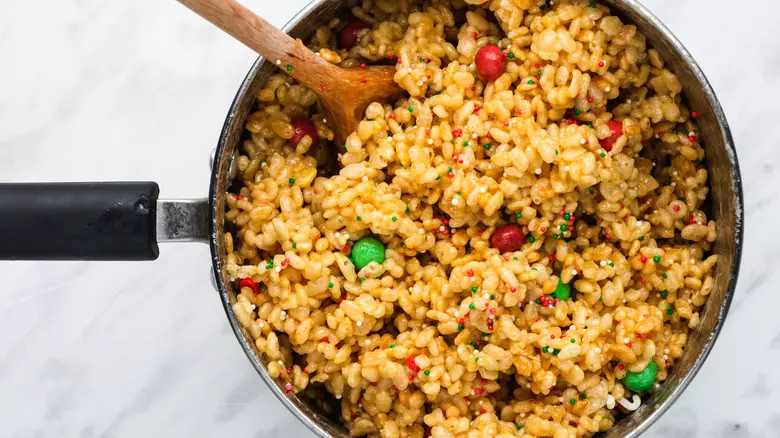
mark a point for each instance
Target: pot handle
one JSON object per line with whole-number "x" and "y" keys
{"x": 78, "y": 221}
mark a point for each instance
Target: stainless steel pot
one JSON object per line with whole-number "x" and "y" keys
{"x": 124, "y": 221}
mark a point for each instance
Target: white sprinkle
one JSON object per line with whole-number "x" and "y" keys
{"x": 608, "y": 89}
{"x": 297, "y": 227}
{"x": 430, "y": 141}
{"x": 572, "y": 327}
{"x": 598, "y": 350}
{"x": 474, "y": 136}
{"x": 666, "y": 357}
{"x": 603, "y": 263}
{"x": 421, "y": 231}
{"x": 455, "y": 201}
{"x": 673, "y": 184}
{"x": 476, "y": 351}
{"x": 490, "y": 166}
{"x": 625, "y": 340}
{"x": 337, "y": 235}
{"x": 583, "y": 141}
{"x": 368, "y": 342}
{"x": 638, "y": 223}
{"x": 566, "y": 168}
{"x": 689, "y": 301}
{"x": 573, "y": 272}
{"x": 457, "y": 314}
{"x": 635, "y": 403}
{"x": 253, "y": 307}
{"x": 653, "y": 163}
{"x": 610, "y": 402}
{"x": 364, "y": 179}
{"x": 359, "y": 323}
{"x": 441, "y": 228}
{"x": 278, "y": 62}
{"x": 666, "y": 351}
{"x": 278, "y": 269}
{"x": 487, "y": 297}
{"x": 693, "y": 261}
{"x": 538, "y": 171}
{"x": 338, "y": 396}
{"x": 483, "y": 189}
{"x": 261, "y": 324}
{"x": 283, "y": 316}
{"x": 560, "y": 399}
{"x": 346, "y": 235}
{"x": 316, "y": 53}
{"x": 324, "y": 120}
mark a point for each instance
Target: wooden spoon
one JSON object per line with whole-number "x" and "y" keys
{"x": 343, "y": 93}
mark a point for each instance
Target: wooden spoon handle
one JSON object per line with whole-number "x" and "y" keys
{"x": 265, "y": 39}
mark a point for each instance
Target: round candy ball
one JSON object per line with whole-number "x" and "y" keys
{"x": 303, "y": 127}
{"x": 643, "y": 380}
{"x": 490, "y": 62}
{"x": 562, "y": 291}
{"x": 617, "y": 130}
{"x": 508, "y": 238}
{"x": 349, "y": 35}
{"x": 367, "y": 250}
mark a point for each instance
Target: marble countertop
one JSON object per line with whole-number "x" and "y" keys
{"x": 95, "y": 90}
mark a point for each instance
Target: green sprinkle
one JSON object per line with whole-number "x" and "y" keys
{"x": 291, "y": 180}
{"x": 566, "y": 216}
{"x": 511, "y": 55}
{"x": 362, "y": 279}
{"x": 583, "y": 396}
{"x": 573, "y": 341}
{"x": 664, "y": 275}
{"x": 664, "y": 293}
{"x": 519, "y": 426}
{"x": 530, "y": 81}
{"x": 367, "y": 250}
{"x": 407, "y": 209}
{"x": 492, "y": 297}
{"x": 564, "y": 227}
{"x": 344, "y": 146}
{"x": 392, "y": 345}
{"x": 449, "y": 169}
{"x": 592, "y": 5}
{"x": 669, "y": 310}
{"x": 590, "y": 191}
{"x": 473, "y": 289}
{"x": 519, "y": 215}
{"x": 472, "y": 306}
{"x": 601, "y": 298}
{"x": 289, "y": 68}
{"x": 538, "y": 301}
{"x": 438, "y": 178}
{"x": 603, "y": 155}
{"x": 539, "y": 73}
{"x": 460, "y": 327}
{"x": 532, "y": 239}
{"x": 465, "y": 143}
{"x": 641, "y": 239}
{"x": 295, "y": 245}
{"x": 657, "y": 259}
{"x": 230, "y": 160}
{"x": 395, "y": 218}
{"x": 611, "y": 265}
{"x": 268, "y": 267}
{"x": 359, "y": 218}
{"x": 427, "y": 372}
{"x": 514, "y": 258}
{"x": 556, "y": 152}
{"x": 577, "y": 112}
{"x": 555, "y": 236}
{"x": 546, "y": 349}
{"x": 458, "y": 193}
{"x": 573, "y": 402}
{"x": 330, "y": 285}
{"x": 476, "y": 359}
{"x": 643, "y": 380}
{"x": 411, "y": 109}
{"x": 487, "y": 147}
{"x": 556, "y": 351}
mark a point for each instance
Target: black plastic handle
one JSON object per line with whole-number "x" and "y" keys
{"x": 78, "y": 221}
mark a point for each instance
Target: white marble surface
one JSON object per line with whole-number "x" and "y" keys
{"x": 138, "y": 90}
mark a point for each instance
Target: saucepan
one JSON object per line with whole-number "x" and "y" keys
{"x": 125, "y": 221}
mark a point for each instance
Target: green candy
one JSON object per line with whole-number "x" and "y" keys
{"x": 562, "y": 291}
{"x": 643, "y": 380}
{"x": 367, "y": 250}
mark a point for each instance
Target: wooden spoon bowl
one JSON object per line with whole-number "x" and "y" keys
{"x": 343, "y": 94}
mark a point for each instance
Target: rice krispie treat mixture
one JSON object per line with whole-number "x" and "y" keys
{"x": 517, "y": 247}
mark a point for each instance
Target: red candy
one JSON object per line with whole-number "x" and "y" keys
{"x": 303, "y": 127}
{"x": 490, "y": 62}
{"x": 617, "y": 130}
{"x": 412, "y": 365}
{"x": 507, "y": 239}
{"x": 248, "y": 282}
{"x": 349, "y": 35}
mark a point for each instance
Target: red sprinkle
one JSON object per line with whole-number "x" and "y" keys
{"x": 392, "y": 115}
{"x": 643, "y": 259}
{"x": 412, "y": 365}
{"x": 601, "y": 64}
{"x": 482, "y": 411}
{"x": 590, "y": 100}
{"x": 676, "y": 207}
{"x": 470, "y": 273}
{"x": 475, "y": 34}
{"x": 324, "y": 88}
{"x": 248, "y": 282}
{"x": 694, "y": 114}
{"x": 457, "y": 132}
{"x": 239, "y": 197}
{"x": 620, "y": 366}
{"x": 364, "y": 80}
{"x": 373, "y": 383}
{"x": 362, "y": 66}
{"x": 513, "y": 289}
{"x": 607, "y": 236}
{"x": 345, "y": 249}
{"x": 691, "y": 220}
{"x": 490, "y": 62}
{"x": 478, "y": 391}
